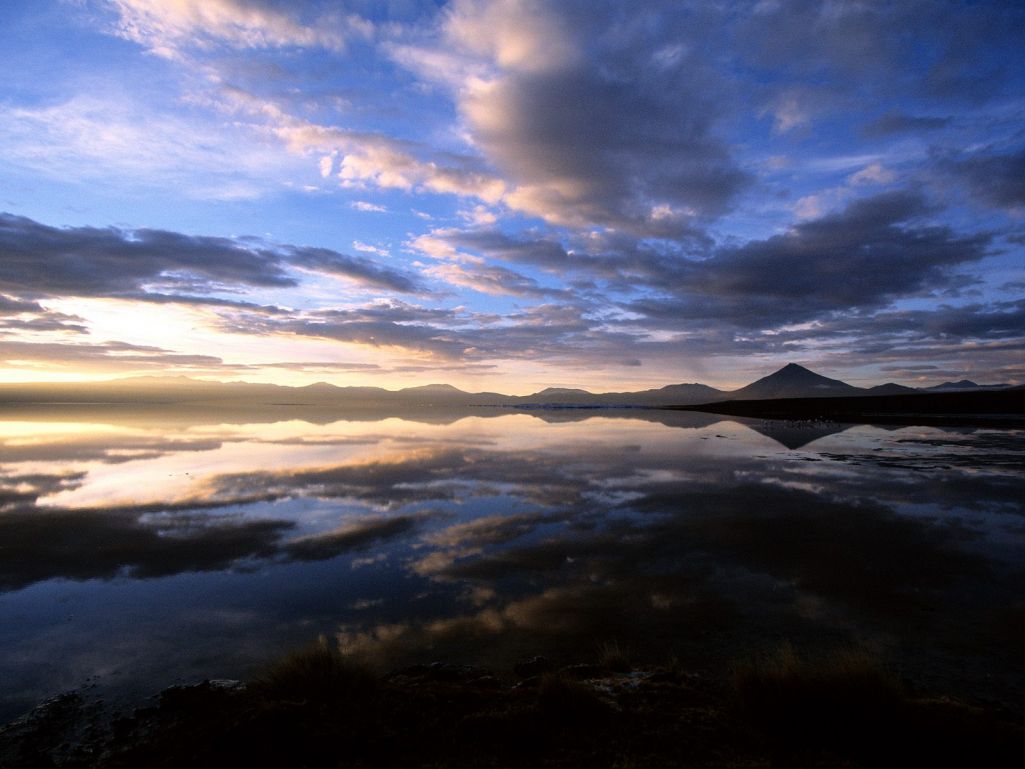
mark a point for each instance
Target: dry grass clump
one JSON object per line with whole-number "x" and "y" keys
{"x": 614, "y": 657}
{"x": 317, "y": 673}
{"x": 842, "y": 698}
{"x": 846, "y": 703}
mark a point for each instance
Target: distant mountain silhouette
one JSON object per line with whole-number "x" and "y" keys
{"x": 964, "y": 384}
{"x": 890, "y": 388}
{"x": 663, "y": 396}
{"x": 791, "y": 381}
{"x": 433, "y": 388}
{"x": 561, "y": 392}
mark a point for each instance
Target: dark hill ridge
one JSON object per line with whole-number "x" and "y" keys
{"x": 663, "y": 396}
{"x": 980, "y": 408}
{"x": 434, "y": 388}
{"x": 890, "y": 388}
{"x": 791, "y": 381}
{"x": 965, "y": 384}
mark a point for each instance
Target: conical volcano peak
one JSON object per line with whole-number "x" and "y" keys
{"x": 794, "y": 370}
{"x": 794, "y": 381}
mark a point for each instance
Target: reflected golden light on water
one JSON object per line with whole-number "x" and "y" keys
{"x": 177, "y": 463}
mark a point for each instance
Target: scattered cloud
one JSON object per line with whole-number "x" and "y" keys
{"x": 40, "y": 260}
{"x": 362, "y": 205}
{"x": 899, "y": 123}
{"x": 863, "y": 257}
{"x": 94, "y": 138}
{"x": 99, "y": 357}
{"x": 494, "y": 280}
{"x": 164, "y": 27}
{"x": 994, "y": 177}
{"x": 874, "y": 173}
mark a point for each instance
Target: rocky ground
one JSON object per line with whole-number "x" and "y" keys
{"x": 318, "y": 709}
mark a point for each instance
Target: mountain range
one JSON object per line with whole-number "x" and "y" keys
{"x": 791, "y": 381}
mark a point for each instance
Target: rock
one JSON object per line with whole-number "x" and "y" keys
{"x": 440, "y": 671}
{"x": 486, "y": 682}
{"x": 535, "y": 666}
{"x": 584, "y": 671}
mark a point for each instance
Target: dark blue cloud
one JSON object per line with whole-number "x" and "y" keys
{"x": 39, "y": 260}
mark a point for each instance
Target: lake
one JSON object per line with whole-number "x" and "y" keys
{"x": 140, "y": 548}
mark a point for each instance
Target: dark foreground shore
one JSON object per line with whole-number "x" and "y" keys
{"x": 319, "y": 709}
{"x": 998, "y": 409}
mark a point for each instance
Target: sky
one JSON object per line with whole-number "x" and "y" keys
{"x": 509, "y": 195}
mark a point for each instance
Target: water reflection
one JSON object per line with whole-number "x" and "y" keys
{"x": 146, "y": 550}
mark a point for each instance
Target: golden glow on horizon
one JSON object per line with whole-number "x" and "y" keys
{"x": 178, "y": 337}
{"x": 506, "y": 380}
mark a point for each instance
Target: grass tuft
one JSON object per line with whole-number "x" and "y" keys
{"x": 317, "y": 673}
{"x": 614, "y": 657}
{"x": 840, "y": 699}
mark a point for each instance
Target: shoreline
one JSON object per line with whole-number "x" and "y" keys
{"x": 997, "y": 409}
{"x": 319, "y": 708}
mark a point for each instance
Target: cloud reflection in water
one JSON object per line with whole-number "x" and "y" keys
{"x": 492, "y": 537}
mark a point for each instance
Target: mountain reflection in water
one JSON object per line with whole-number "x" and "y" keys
{"x": 140, "y": 549}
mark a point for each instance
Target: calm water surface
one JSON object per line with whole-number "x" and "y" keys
{"x": 138, "y": 550}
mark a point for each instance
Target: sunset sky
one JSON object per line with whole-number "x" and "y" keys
{"x": 509, "y": 195}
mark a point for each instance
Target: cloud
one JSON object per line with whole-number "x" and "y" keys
{"x": 974, "y": 340}
{"x": 493, "y": 280}
{"x": 554, "y": 331}
{"x": 994, "y": 177}
{"x": 416, "y": 338}
{"x": 874, "y": 173}
{"x": 875, "y": 250}
{"x": 865, "y": 256}
{"x": 104, "y": 356}
{"x": 984, "y": 338}
{"x": 379, "y": 161}
{"x": 790, "y": 110}
{"x": 164, "y": 27}
{"x": 860, "y": 46}
{"x": 622, "y": 261}
{"x": 113, "y": 140}
{"x": 362, "y": 205}
{"x": 11, "y": 306}
{"x": 367, "y": 158}
{"x": 366, "y": 248}
{"x": 582, "y": 125}
{"x": 17, "y": 315}
{"x": 824, "y": 286}
{"x": 39, "y": 260}
{"x": 609, "y": 163}
{"x": 900, "y": 123}
{"x": 322, "y": 365}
